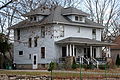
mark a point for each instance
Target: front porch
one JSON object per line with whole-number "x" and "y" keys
{"x": 85, "y": 51}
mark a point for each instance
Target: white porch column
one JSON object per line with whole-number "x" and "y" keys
{"x": 73, "y": 50}
{"x": 70, "y": 50}
{"x": 90, "y": 51}
{"x": 67, "y": 51}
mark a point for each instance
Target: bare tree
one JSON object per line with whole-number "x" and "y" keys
{"x": 104, "y": 12}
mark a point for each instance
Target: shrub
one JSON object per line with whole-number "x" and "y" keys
{"x": 103, "y": 67}
{"x": 52, "y": 66}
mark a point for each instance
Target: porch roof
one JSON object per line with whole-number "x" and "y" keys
{"x": 83, "y": 41}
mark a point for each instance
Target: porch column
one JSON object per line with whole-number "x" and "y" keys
{"x": 70, "y": 50}
{"x": 73, "y": 50}
{"x": 91, "y": 51}
{"x": 67, "y": 51}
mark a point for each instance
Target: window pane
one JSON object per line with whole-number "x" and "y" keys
{"x": 94, "y": 33}
{"x": 20, "y": 52}
{"x": 29, "y": 56}
{"x": 42, "y": 52}
{"x": 30, "y": 42}
{"x": 18, "y": 34}
{"x": 61, "y": 31}
{"x": 42, "y": 32}
{"x": 80, "y": 18}
{"x": 35, "y": 41}
{"x": 76, "y": 18}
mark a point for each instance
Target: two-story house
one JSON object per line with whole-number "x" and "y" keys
{"x": 50, "y": 34}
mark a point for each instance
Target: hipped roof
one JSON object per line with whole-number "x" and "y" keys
{"x": 55, "y": 16}
{"x": 83, "y": 41}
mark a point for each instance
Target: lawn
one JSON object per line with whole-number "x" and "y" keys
{"x": 73, "y": 74}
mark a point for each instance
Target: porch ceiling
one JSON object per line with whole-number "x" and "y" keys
{"x": 83, "y": 41}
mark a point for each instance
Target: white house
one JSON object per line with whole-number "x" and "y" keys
{"x": 51, "y": 34}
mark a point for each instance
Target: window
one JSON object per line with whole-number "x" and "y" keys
{"x": 61, "y": 31}
{"x": 30, "y": 42}
{"x": 94, "y": 33}
{"x": 80, "y": 18}
{"x": 78, "y": 29}
{"x": 76, "y": 18}
{"x": 35, "y": 18}
{"x": 42, "y": 32}
{"x": 20, "y": 52}
{"x": 42, "y": 52}
{"x": 31, "y": 18}
{"x": 34, "y": 60}
{"x": 18, "y": 34}
{"x": 35, "y": 41}
{"x": 29, "y": 56}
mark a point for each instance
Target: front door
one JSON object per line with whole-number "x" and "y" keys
{"x": 35, "y": 63}
{"x": 63, "y": 51}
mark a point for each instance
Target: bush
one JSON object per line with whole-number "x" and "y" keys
{"x": 52, "y": 66}
{"x": 103, "y": 67}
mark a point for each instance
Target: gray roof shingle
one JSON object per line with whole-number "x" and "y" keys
{"x": 84, "y": 41}
{"x": 55, "y": 16}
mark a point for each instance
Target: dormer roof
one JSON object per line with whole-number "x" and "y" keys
{"x": 38, "y": 11}
{"x": 73, "y": 11}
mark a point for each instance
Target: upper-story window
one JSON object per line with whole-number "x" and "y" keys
{"x": 93, "y": 33}
{"x": 61, "y": 31}
{"x": 30, "y": 42}
{"x": 35, "y": 41}
{"x": 78, "y": 18}
{"x": 78, "y": 29}
{"x": 42, "y": 52}
{"x": 33, "y": 18}
{"x": 18, "y": 34}
{"x": 42, "y": 32}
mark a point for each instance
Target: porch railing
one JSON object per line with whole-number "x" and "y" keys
{"x": 62, "y": 60}
{"x": 95, "y": 62}
{"x": 82, "y": 60}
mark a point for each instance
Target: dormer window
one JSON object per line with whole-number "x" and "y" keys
{"x": 78, "y": 18}
{"x": 33, "y": 18}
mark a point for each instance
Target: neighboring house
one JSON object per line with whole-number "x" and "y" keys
{"x": 115, "y": 49}
{"x": 50, "y": 34}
